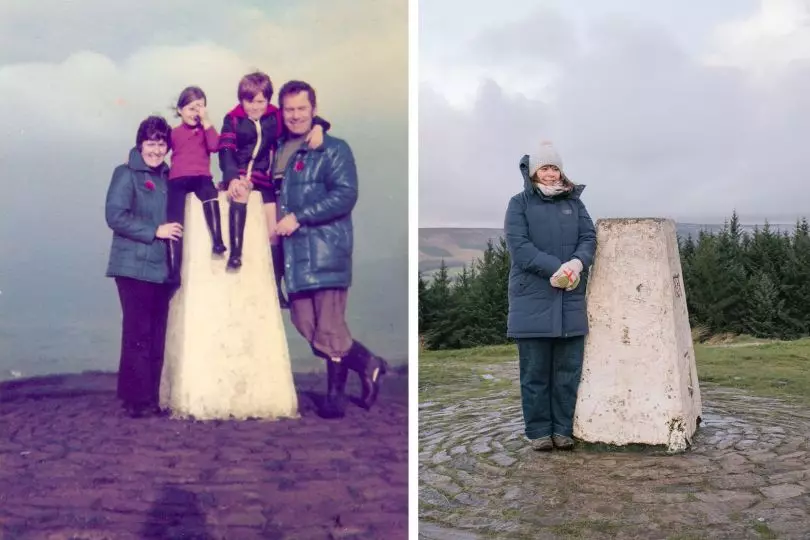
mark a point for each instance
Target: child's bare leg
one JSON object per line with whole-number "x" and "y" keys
{"x": 276, "y": 251}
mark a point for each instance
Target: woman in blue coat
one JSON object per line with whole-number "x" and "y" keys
{"x": 136, "y": 212}
{"x": 551, "y": 241}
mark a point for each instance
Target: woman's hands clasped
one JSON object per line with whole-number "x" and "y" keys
{"x": 567, "y": 277}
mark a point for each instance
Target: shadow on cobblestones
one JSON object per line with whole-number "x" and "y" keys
{"x": 176, "y": 514}
{"x": 74, "y": 466}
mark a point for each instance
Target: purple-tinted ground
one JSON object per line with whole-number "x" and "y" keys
{"x": 73, "y": 466}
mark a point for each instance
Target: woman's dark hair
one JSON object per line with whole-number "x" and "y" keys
{"x": 154, "y": 128}
{"x": 296, "y": 87}
{"x": 189, "y": 94}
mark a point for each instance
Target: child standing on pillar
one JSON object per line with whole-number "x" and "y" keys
{"x": 552, "y": 243}
{"x": 250, "y": 133}
{"x": 192, "y": 143}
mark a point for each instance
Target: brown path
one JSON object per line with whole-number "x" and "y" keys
{"x": 747, "y": 476}
{"x": 73, "y": 466}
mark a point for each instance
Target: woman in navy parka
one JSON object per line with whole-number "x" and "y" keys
{"x": 551, "y": 241}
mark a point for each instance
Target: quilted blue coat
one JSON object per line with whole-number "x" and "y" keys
{"x": 135, "y": 206}
{"x": 320, "y": 188}
{"x": 542, "y": 233}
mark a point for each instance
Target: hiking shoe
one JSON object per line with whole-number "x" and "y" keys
{"x": 562, "y": 442}
{"x": 543, "y": 444}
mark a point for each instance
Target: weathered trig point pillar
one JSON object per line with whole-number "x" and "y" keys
{"x": 639, "y": 381}
{"x": 226, "y": 350}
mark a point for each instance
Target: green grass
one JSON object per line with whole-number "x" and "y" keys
{"x": 764, "y": 531}
{"x": 442, "y": 373}
{"x": 780, "y": 369}
{"x": 771, "y": 369}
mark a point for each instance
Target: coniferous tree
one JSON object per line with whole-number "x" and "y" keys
{"x": 730, "y": 295}
{"x": 422, "y": 308}
{"x": 437, "y": 304}
{"x": 735, "y": 282}
{"x": 764, "y": 304}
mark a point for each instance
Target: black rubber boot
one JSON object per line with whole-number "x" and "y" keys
{"x": 214, "y": 220}
{"x": 277, "y": 254}
{"x": 335, "y": 404}
{"x": 370, "y": 368}
{"x": 236, "y": 222}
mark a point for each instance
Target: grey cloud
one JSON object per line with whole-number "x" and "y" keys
{"x": 544, "y": 35}
{"x": 49, "y": 30}
{"x": 650, "y": 130}
{"x": 468, "y": 162}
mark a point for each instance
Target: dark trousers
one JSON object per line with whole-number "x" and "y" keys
{"x": 146, "y": 309}
{"x": 176, "y": 212}
{"x": 179, "y": 188}
{"x": 550, "y": 371}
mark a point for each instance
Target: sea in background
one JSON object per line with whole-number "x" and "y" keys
{"x": 63, "y": 319}
{"x": 60, "y": 314}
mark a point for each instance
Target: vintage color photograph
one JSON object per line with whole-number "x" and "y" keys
{"x": 204, "y": 286}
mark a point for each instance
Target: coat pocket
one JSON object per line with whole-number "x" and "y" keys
{"x": 328, "y": 249}
{"x": 142, "y": 251}
{"x": 517, "y": 284}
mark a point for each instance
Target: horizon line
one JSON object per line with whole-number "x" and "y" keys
{"x": 677, "y": 222}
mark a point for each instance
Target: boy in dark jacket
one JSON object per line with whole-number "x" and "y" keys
{"x": 249, "y": 136}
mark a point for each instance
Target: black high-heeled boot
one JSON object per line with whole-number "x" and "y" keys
{"x": 236, "y": 222}
{"x": 214, "y": 221}
{"x": 277, "y": 253}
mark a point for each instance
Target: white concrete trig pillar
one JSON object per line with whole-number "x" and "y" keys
{"x": 226, "y": 349}
{"x": 639, "y": 379}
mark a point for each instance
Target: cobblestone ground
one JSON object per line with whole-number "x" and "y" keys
{"x": 747, "y": 475}
{"x": 73, "y": 466}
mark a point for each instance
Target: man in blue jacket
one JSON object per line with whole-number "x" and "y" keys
{"x": 317, "y": 191}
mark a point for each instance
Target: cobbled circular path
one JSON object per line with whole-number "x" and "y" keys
{"x": 73, "y": 466}
{"x": 747, "y": 476}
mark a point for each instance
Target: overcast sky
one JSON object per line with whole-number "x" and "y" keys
{"x": 77, "y": 77}
{"x": 682, "y": 109}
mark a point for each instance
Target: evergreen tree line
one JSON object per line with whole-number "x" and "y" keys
{"x": 738, "y": 283}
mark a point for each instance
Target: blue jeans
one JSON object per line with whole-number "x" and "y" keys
{"x": 550, "y": 371}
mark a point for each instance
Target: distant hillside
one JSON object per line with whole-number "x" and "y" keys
{"x": 460, "y": 246}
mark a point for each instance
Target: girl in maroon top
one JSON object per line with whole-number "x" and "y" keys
{"x": 192, "y": 143}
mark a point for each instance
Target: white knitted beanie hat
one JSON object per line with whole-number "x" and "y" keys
{"x": 547, "y": 155}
